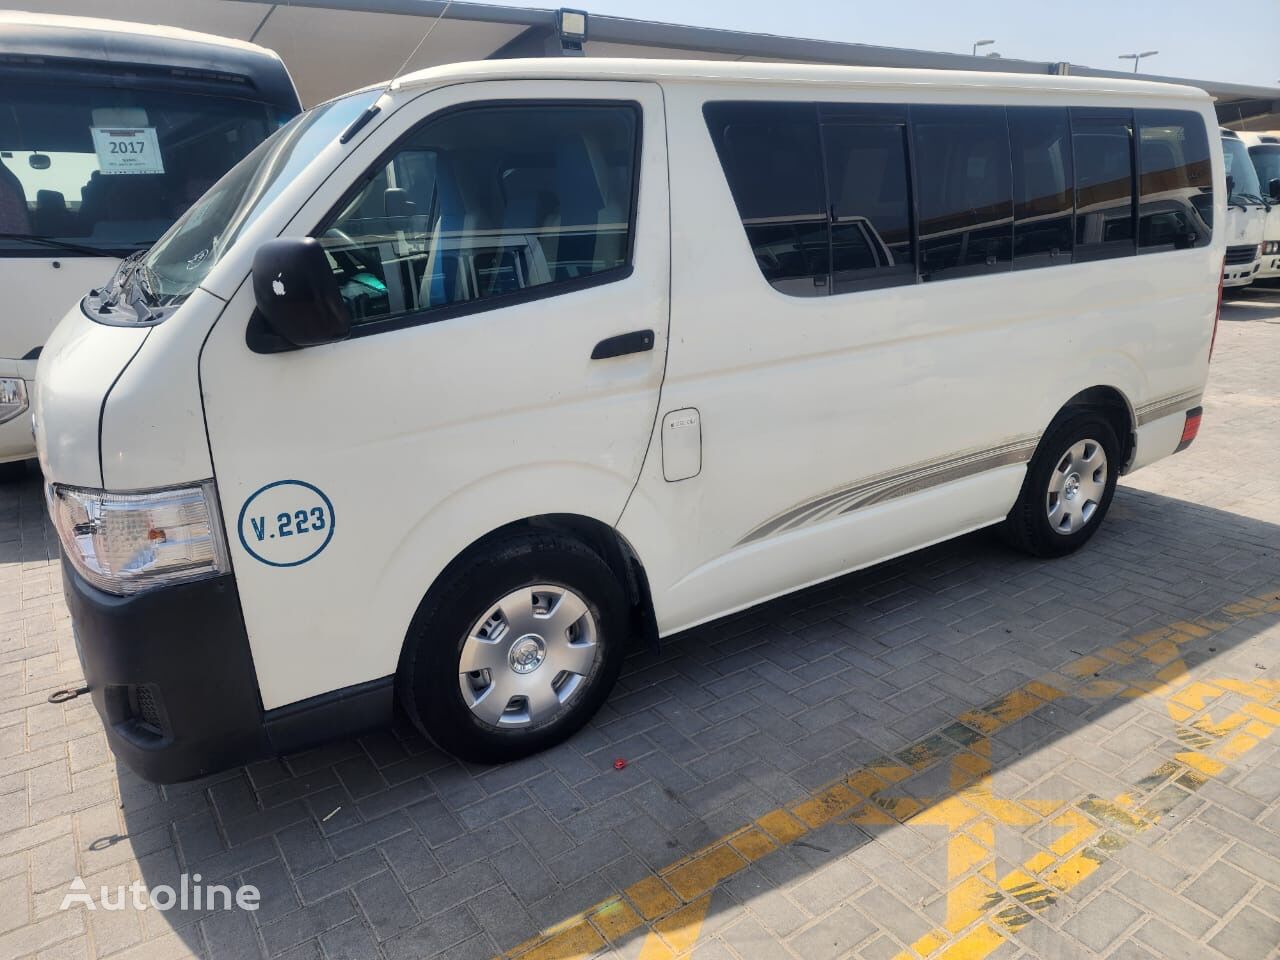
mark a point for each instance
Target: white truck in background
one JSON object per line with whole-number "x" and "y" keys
{"x": 108, "y": 132}
{"x": 1264, "y": 151}
{"x": 1247, "y": 214}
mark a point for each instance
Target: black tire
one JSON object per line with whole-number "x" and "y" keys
{"x": 1028, "y": 527}
{"x": 428, "y": 679}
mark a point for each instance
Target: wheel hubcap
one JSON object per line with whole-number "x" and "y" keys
{"x": 1076, "y": 487}
{"x": 527, "y": 654}
{"x": 526, "y": 658}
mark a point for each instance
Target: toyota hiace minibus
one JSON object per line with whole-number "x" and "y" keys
{"x": 455, "y": 388}
{"x": 108, "y": 132}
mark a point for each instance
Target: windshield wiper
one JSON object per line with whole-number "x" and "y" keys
{"x": 119, "y": 278}
{"x": 66, "y": 245}
{"x": 144, "y": 295}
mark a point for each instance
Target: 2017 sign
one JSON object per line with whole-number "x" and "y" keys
{"x": 286, "y": 523}
{"x": 123, "y": 150}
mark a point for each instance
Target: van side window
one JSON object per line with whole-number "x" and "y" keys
{"x": 868, "y": 186}
{"x": 1175, "y": 181}
{"x": 1043, "y": 204}
{"x": 965, "y": 197}
{"x": 1102, "y": 144}
{"x": 489, "y": 203}
{"x": 772, "y": 160}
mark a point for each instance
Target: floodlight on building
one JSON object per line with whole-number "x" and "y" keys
{"x": 572, "y": 26}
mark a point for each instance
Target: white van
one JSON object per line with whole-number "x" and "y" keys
{"x": 1246, "y": 214}
{"x": 452, "y": 391}
{"x": 108, "y": 132}
{"x": 1264, "y": 151}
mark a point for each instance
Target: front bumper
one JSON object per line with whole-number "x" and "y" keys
{"x": 1241, "y": 274}
{"x": 171, "y": 674}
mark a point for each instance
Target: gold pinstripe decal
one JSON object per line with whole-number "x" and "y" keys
{"x": 1164, "y": 406}
{"x": 891, "y": 485}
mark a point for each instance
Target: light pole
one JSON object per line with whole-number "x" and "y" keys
{"x": 981, "y": 43}
{"x": 1135, "y": 57}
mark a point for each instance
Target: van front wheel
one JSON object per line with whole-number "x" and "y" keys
{"x": 1068, "y": 487}
{"x": 515, "y": 649}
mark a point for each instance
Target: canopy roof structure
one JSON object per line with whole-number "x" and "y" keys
{"x": 331, "y": 46}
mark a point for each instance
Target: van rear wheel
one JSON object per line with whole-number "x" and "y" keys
{"x": 1068, "y": 487}
{"x": 515, "y": 649}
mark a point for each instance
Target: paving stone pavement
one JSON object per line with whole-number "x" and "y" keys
{"x": 963, "y": 753}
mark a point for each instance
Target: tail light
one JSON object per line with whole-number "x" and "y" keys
{"x": 1190, "y": 428}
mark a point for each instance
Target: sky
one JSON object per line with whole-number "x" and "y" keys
{"x": 1235, "y": 41}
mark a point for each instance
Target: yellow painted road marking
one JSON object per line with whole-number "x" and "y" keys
{"x": 674, "y": 936}
{"x": 671, "y": 906}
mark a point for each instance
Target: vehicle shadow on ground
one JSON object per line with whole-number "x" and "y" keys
{"x": 382, "y": 845}
{"x": 1255, "y": 303}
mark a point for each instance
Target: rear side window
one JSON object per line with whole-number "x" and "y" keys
{"x": 1175, "y": 181}
{"x": 1043, "y": 205}
{"x": 868, "y": 185}
{"x": 965, "y": 195}
{"x": 1102, "y": 145}
{"x": 486, "y": 204}
{"x": 773, "y": 162}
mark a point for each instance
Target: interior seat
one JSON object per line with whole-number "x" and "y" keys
{"x": 15, "y": 217}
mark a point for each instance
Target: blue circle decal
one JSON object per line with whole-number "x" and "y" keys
{"x": 286, "y": 523}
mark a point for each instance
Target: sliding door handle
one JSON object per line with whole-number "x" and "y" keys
{"x": 637, "y": 341}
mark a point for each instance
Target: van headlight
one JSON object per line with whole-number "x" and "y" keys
{"x": 13, "y": 397}
{"x": 128, "y": 542}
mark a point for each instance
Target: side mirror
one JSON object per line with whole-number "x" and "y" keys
{"x": 1274, "y": 187}
{"x": 38, "y": 161}
{"x": 1231, "y": 186}
{"x": 297, "y": 293}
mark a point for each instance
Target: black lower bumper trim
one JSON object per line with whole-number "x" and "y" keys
{"x": 171, "y": 674}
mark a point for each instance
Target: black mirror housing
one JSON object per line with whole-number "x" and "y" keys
{"x": 297, "y": 293}
{"x": 1274, "y": 187}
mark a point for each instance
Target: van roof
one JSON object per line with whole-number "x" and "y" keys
{"x": 37, "y": 23}
{"x": 1260, "y": 138}
{"x": 800, "y": 73}
{"x": 90, "y": 40}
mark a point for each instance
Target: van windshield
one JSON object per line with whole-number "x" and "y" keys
{"x": 107, "y": 169}
{"x": 1266, "y": 161}
{"x": 1240, "y": 168}
{"x": 183, "y": 257}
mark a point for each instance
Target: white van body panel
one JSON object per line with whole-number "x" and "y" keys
{"x": 38, "y": 291}
{"x": 80, "y": 361}
{"x": 147, "y": 444}
{"x": 481, "y": 420}
{"x": 803, "y": 398}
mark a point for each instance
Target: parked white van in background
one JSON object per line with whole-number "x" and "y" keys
{"x": 451, "y": 391}
{"x": 1246, "y": 214}
{"x": 108, "y": 132}
{"x": 1264, "y": 151}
